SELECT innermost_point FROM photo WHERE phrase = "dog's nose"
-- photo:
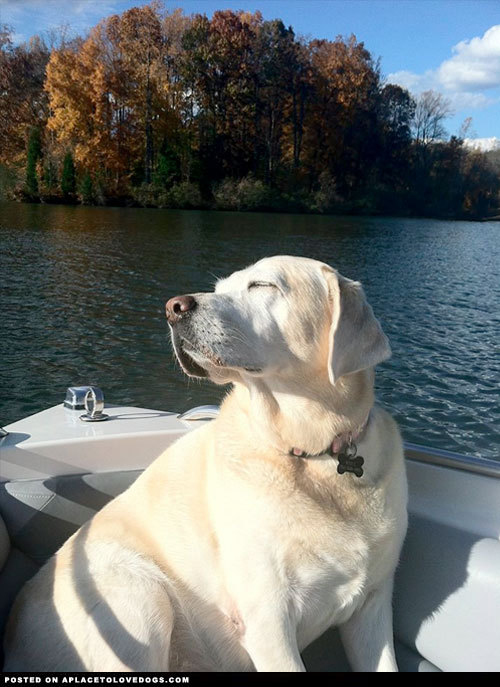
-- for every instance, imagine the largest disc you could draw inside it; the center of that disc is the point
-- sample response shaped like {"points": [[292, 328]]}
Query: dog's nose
{"points": [[177, 306]]}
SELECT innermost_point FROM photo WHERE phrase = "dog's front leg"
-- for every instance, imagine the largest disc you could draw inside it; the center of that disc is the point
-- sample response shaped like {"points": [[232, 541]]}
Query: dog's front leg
{"points": [[271, 642], [261, 602], [368, 635]]}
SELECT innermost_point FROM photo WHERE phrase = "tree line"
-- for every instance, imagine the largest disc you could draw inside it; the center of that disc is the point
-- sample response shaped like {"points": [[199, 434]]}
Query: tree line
{"points": [[164, 109]]}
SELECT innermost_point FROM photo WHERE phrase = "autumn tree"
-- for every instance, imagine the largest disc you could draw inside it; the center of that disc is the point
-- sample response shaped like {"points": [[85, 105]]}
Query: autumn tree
{"points": [[397, 110], [157, 105], [274, 73], [341, 114], [70, 85], [218, 67], [446, 182], [395, 116], [481, 186], [178, 117], [138, 38], [300, 94], [108, 95], [23, 101]]}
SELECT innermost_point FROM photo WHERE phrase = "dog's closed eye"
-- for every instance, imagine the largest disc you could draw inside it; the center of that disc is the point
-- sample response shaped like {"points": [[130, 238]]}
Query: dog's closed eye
{"points": [[257, 284]]}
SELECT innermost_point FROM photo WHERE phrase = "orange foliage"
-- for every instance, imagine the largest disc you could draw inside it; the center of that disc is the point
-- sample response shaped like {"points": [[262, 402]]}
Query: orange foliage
{"points": [[151, 100]]}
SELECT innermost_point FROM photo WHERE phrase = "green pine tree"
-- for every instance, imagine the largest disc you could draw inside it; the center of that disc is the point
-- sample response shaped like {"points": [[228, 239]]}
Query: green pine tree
{"points": [[34, 154], [49, 173], [167, 167], [68, 177], [86, 189]]}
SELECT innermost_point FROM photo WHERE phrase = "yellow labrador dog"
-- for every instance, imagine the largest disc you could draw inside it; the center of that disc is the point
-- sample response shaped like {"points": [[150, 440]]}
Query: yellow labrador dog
{"points": [[253, 534]]}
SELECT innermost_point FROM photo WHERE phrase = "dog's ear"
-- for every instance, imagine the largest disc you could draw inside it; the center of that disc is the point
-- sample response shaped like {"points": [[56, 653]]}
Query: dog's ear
{"points": [[356, 337]]}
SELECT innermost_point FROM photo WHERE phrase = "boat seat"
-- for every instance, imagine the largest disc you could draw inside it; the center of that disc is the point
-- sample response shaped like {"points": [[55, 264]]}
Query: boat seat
{"points": [[15, 569], [36, 518], [447, 584], [40, 515], [4, 543]]}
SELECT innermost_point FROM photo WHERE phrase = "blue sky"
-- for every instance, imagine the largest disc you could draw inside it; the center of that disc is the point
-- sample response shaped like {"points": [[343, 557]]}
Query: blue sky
{"points": [[452, 46]]}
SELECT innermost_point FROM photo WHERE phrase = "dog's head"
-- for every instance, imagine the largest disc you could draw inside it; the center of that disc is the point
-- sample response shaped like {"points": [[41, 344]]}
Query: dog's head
{"points": [[281, 316]]}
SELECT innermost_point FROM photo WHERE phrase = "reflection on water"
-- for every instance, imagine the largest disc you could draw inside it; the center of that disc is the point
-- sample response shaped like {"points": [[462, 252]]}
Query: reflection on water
{"points": [[83, 293]]}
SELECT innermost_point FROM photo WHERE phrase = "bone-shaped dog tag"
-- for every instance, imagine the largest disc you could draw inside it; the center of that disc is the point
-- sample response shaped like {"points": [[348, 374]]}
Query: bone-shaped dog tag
{"points": [[349, 461]]}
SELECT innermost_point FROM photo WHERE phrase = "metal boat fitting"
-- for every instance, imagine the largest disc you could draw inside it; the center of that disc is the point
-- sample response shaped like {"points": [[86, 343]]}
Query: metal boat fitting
{"points": [[200, 413], [75, 397], [94, 405]]}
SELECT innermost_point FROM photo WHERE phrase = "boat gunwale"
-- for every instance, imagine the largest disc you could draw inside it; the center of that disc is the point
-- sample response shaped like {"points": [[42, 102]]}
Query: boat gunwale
{"points": [[448, 459]]}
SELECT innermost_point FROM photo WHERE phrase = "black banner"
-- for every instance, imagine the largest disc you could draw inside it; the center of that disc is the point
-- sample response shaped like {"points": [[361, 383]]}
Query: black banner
{"points": [[14, 679]]}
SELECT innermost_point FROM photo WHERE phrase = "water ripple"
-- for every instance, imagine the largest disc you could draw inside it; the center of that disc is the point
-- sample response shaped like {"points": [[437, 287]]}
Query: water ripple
{"points": [[83, 292]]}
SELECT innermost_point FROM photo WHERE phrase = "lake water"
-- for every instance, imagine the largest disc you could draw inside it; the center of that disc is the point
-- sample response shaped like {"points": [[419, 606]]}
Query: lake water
{"points": [[83, 293]]}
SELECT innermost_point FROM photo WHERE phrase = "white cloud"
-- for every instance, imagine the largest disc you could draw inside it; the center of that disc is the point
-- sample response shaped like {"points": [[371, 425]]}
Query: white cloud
{"points": [[473, 68], [461, 100], [416, 83], [18, 38], [484, 144]]}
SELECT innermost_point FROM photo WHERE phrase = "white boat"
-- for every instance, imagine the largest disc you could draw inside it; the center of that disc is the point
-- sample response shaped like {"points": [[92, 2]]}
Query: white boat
{"points": [[57, 471]]}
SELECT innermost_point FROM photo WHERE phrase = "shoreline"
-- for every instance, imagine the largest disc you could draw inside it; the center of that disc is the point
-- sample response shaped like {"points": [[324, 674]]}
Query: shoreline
{"points": [[129, 203]]}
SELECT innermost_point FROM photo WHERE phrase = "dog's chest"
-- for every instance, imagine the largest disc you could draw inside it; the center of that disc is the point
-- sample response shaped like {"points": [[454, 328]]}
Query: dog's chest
{"points": [[330, 554], [325, 581]]}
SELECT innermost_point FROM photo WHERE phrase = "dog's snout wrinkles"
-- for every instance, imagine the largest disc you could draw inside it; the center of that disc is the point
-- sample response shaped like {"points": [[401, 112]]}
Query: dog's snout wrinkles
{"points": [[176, 307]]}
